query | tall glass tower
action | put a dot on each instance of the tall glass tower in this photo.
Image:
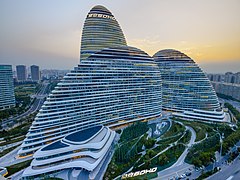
(7, 97)
(21, 72)
(100, 30)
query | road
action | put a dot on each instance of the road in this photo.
(37, 104)
(174, 172)
(229, 172)
(233, 103)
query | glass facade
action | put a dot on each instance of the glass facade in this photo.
(100, 30)
(112, 87)
(7, 97)
(21, 72)
(185, 86)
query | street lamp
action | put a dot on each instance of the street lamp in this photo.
(221, 141)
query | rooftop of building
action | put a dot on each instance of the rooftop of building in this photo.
(171, 54)
(55, 145)
(83, 135)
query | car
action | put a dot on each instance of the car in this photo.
(183, 176)
(188, 173)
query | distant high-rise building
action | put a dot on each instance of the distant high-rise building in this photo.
(7, 97)
(35, 73)
(21, 73)
(228, 89)
(229, 77)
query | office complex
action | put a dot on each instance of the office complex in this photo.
(100, 30)
(112, 86)
(185, 88)
(21, 73)
(79, 155)
(35, 73)
(7, 97)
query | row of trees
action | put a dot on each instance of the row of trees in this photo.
(230, 141)
(202, 153)
(226, 97)
(128, 152)
(233, 110)
(163, 160)
(15, 132)
(203, 159)
(134, 131)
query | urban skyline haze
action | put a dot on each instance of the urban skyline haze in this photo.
(46, 33)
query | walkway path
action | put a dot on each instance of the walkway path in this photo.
(179, 166)
(181, 159)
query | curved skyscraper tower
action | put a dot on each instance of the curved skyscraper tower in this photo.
(100, 30)
(112, 87)
(185, 88)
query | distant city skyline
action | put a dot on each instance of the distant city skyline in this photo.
(46, 33)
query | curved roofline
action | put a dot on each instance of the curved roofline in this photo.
(70, 138)
(119, 48)
(99, 6)
(166, 53)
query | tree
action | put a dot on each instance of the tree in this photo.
(150, 143)
(196, 162)
(162, 159)
(151, 153)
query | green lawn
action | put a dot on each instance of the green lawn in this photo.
(128, 152)
(175, 129)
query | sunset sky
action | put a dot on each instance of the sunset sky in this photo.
(47, 32)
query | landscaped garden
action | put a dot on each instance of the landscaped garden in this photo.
(137, 150)
(203, 153)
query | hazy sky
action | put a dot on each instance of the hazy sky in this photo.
(47, 32)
